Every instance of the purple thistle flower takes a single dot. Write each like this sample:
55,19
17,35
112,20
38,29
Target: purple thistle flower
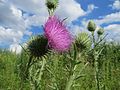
58,36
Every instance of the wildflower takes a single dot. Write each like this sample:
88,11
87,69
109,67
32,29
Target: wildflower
58,36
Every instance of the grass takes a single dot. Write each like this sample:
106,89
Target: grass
58,68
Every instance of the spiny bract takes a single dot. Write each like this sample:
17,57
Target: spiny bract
83,41
37,46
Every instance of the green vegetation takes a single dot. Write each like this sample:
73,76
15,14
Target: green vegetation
57,69
89,64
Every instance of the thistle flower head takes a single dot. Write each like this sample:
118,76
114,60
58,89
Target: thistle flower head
100,31
91,26
57,34
37,46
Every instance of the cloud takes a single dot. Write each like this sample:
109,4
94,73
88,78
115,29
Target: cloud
116,5
12,24
11,16
113,27
72,9
113,17
31,6
15,48
110,27
113,31
8,36
91,7
35,7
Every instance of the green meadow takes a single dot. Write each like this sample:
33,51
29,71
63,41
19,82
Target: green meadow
57,70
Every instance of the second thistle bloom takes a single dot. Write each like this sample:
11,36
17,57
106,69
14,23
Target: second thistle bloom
58,36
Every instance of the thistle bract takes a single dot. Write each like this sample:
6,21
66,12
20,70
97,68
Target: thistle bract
83,41
91,26
57,34
100,31
37,46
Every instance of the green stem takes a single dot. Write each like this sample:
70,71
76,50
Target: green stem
70,82
71,79
93,38
36,76
39,73
97,74
82,70
28,66
42,69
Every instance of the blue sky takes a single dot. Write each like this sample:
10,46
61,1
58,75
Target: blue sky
22,18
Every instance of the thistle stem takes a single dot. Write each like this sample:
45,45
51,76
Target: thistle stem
42,69
70,82
36,77
97,74
82,70
96,63
28,66
71,79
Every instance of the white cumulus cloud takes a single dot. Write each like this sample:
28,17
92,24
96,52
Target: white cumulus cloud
110,18
113,31
116,5
72,10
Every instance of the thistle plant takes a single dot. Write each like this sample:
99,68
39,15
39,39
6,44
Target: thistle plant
96,52
75,62
37,48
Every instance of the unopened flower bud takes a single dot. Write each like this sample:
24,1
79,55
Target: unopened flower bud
100,31
91,26
51,5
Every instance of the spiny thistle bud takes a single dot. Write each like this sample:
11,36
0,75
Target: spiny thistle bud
83,41
91,26
100,31
37,46
51,5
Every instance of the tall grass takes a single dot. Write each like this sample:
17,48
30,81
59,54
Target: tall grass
58,70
